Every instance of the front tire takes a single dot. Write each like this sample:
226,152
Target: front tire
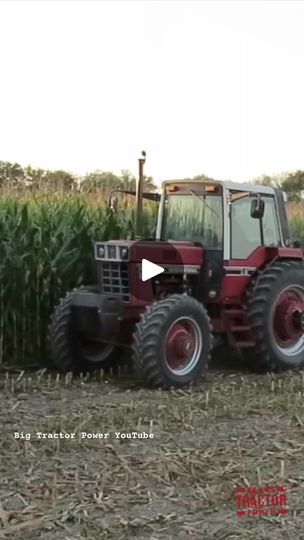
276,312
68,350
172,342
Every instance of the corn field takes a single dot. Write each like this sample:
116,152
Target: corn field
47,249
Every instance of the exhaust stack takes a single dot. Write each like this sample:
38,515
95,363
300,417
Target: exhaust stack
139,194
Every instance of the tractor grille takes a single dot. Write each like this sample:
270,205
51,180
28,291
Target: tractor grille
114,279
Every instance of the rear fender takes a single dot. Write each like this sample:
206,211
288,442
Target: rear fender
239,272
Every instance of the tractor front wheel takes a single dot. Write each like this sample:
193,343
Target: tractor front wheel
71,351
276,312
172,342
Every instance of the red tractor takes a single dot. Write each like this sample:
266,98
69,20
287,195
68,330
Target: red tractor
229,271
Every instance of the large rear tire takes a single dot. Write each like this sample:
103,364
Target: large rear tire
172,342
68,350
276,312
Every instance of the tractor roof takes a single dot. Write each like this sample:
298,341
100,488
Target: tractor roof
238,186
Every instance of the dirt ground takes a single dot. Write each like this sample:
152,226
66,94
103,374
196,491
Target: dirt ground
235,429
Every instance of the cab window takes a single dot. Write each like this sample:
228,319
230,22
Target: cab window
246,232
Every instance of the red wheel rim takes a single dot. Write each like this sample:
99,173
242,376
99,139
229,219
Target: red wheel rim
288,321
183,345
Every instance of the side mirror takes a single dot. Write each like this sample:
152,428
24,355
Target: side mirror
257,207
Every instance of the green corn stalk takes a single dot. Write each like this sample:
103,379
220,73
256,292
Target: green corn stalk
46,249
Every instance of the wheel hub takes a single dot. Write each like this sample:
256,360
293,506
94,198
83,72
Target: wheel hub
288,321
183,345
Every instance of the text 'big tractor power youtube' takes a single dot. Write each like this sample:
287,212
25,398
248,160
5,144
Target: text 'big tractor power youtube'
222,265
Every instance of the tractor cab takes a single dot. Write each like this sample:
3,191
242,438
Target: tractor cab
222,215
229,271
231,221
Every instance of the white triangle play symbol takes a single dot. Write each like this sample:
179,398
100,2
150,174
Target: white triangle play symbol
149,269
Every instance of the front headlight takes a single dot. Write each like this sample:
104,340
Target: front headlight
123,252
100,251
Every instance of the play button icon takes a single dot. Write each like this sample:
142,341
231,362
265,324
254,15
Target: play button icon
154,266
149,269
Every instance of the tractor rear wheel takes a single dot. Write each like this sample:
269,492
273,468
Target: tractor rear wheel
172,342
276,312
70,351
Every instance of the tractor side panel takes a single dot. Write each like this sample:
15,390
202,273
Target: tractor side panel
173,257
142,293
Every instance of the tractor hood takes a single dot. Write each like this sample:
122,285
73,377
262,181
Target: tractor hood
157,251
163,253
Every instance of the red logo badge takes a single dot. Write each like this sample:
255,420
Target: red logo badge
261,501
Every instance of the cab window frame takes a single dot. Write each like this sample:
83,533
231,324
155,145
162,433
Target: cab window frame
239,195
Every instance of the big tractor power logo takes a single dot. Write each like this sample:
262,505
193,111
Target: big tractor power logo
261,501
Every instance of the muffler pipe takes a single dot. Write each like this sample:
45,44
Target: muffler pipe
139,194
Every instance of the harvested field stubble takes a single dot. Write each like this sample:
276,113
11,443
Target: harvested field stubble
232,430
